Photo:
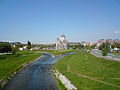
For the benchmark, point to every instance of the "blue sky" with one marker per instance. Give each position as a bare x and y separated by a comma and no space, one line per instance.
42,21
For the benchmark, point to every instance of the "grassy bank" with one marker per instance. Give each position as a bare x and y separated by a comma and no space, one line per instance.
60,85
116,54
57,52
88,72
11,63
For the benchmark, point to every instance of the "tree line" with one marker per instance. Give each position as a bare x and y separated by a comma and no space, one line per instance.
12,48
5,47
106,48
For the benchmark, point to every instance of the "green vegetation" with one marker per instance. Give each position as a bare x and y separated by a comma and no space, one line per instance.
104,51
105,47
88,72
29,45
78,46
11,63
60,85
116,54
5,47
57,52
89,47
117,45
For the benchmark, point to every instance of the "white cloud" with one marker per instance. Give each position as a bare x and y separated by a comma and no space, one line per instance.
116,32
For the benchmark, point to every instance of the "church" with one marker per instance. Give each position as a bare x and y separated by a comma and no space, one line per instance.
62,43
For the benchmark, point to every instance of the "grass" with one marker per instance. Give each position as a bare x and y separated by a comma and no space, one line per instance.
57,52
116,54
9,63
60,85
88,72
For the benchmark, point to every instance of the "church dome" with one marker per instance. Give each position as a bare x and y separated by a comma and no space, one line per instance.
62,35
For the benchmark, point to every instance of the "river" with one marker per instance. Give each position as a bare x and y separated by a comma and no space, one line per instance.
36,76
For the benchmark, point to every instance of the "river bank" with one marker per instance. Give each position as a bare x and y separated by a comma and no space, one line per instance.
11,64
86,71
37,75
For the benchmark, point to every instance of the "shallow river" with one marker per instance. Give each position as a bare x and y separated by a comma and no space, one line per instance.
36,76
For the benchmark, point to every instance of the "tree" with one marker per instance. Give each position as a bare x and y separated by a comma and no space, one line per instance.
106,46
117,45
28,45
113,46
5,47
104,51
14,49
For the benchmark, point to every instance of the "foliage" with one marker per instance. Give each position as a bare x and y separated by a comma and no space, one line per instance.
117,45
16,47
28,45
104,51
118,54
60,85
105,47
19,45
89,47
9,63
5,47
76,46
113,46
57,52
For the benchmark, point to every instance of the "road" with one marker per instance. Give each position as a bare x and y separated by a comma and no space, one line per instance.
36,76
98,54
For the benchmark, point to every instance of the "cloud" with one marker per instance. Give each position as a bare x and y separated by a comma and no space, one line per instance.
116,32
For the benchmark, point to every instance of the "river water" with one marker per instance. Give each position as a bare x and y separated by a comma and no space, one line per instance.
36,76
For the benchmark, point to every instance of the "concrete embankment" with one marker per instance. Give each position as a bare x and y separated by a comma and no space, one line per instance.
66,82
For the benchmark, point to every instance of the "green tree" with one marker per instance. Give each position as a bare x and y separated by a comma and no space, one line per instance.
79,46
117,45
14,49
5,47
112,46
106,46
104,51
28,45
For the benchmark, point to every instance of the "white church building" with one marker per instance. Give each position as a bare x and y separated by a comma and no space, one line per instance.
62,43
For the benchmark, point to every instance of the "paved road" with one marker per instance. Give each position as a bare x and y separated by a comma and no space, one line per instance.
98,54
5,53
36,76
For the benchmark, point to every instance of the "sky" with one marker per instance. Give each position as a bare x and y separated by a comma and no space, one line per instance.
43,21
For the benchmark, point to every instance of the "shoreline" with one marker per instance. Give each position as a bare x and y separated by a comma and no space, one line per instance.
10,75
64,80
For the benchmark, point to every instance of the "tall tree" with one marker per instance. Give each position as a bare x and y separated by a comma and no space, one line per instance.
28,45
104,51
